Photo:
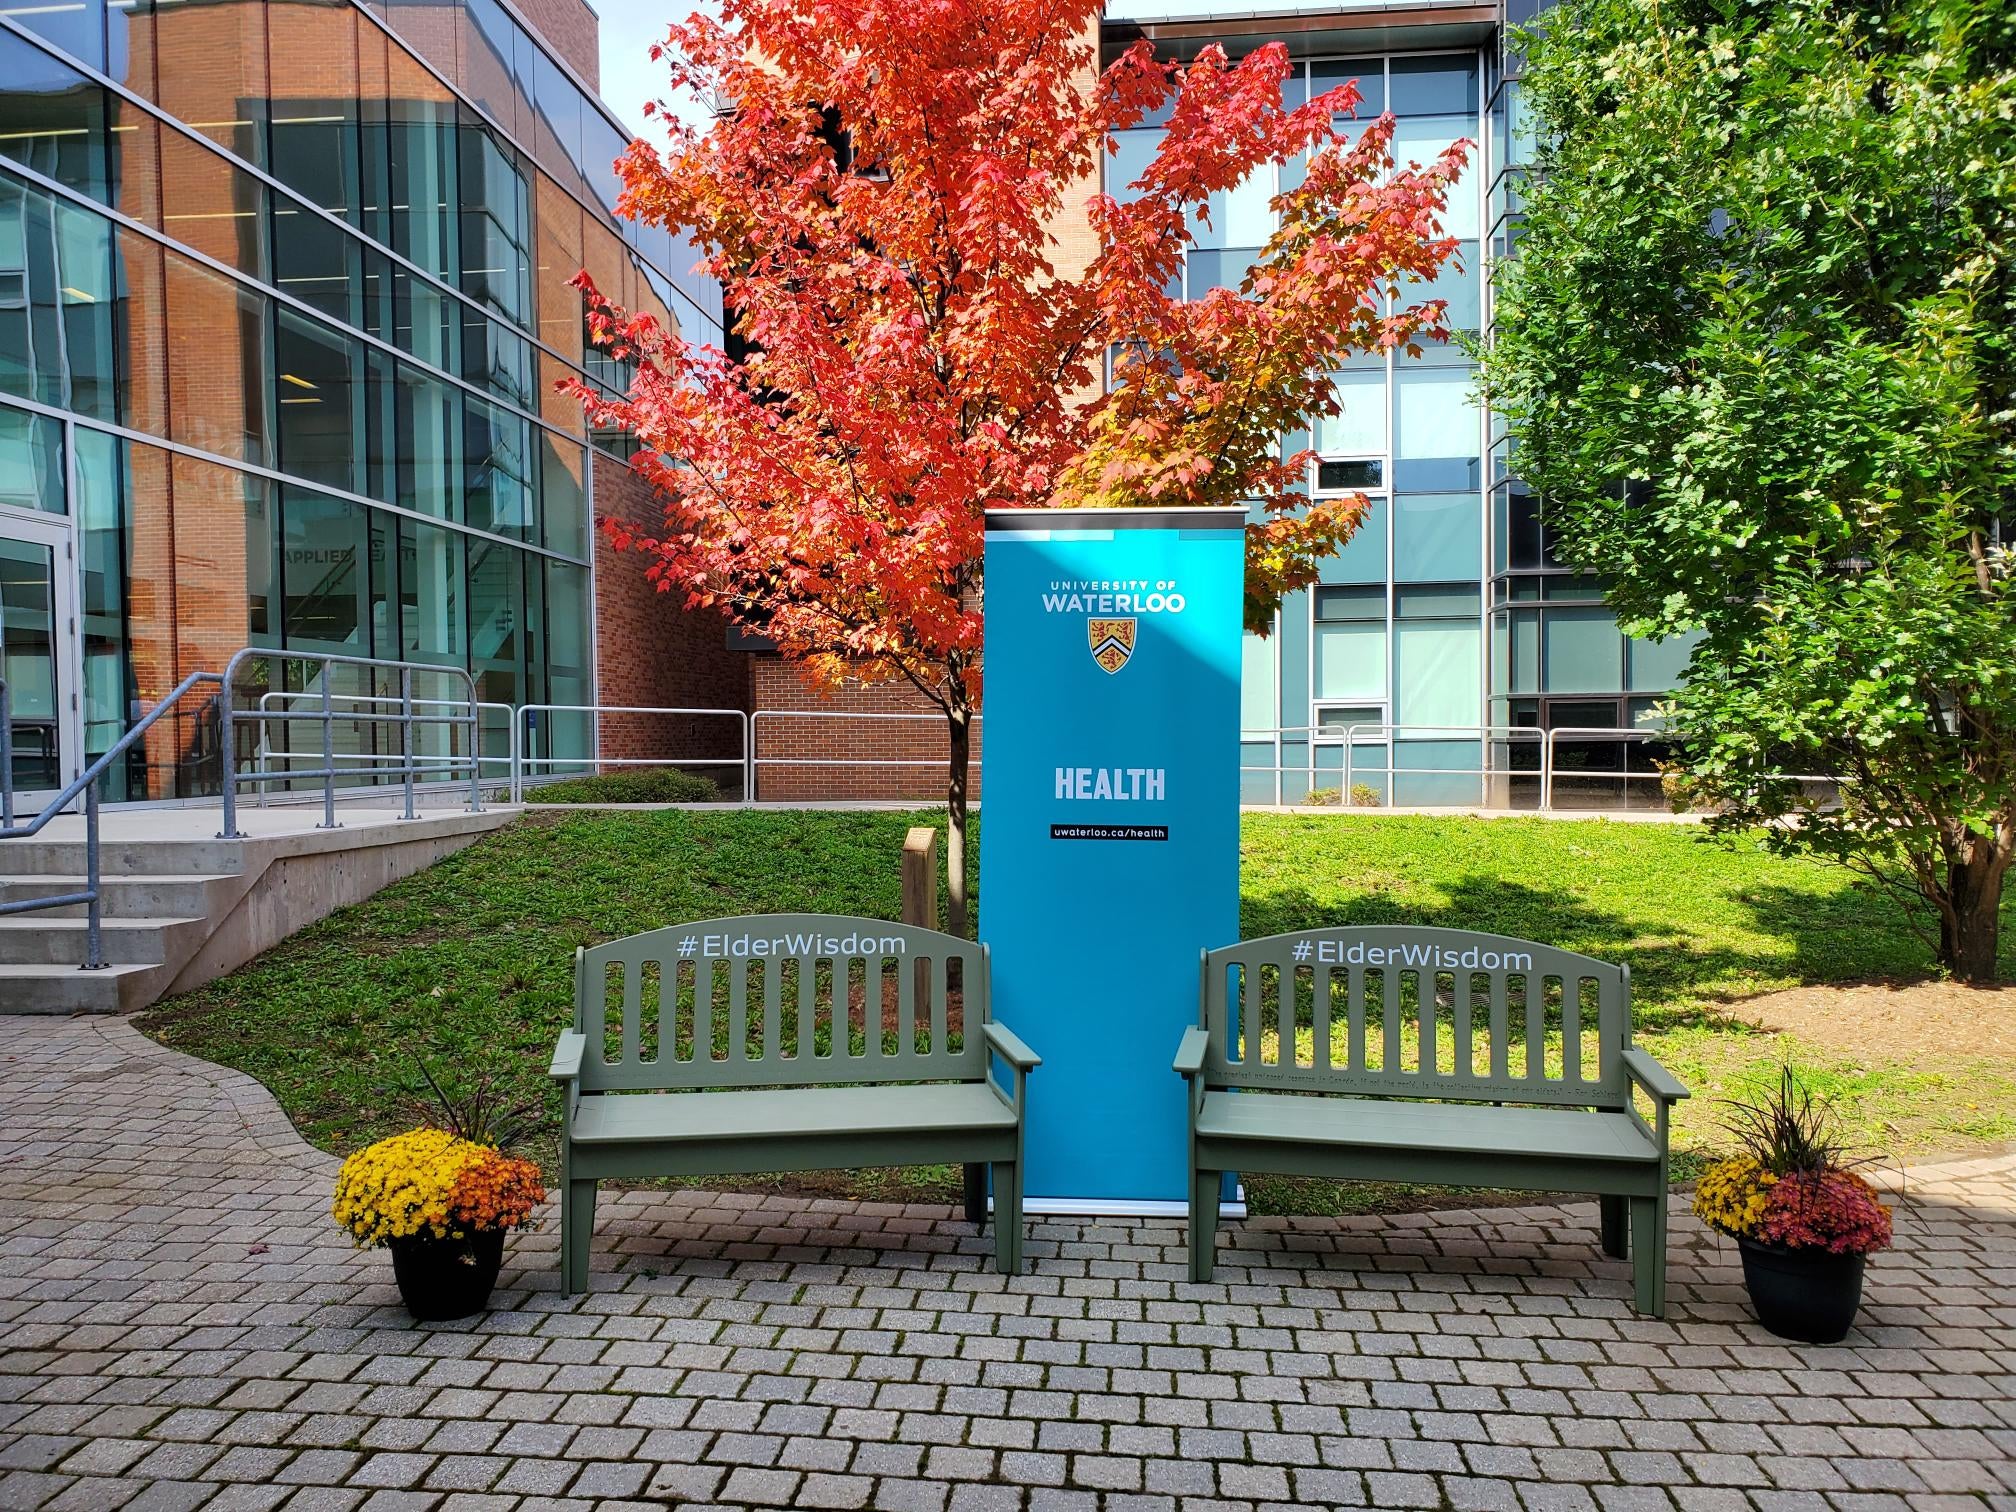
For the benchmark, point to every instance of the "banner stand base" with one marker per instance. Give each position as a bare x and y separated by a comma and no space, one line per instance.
1120,1207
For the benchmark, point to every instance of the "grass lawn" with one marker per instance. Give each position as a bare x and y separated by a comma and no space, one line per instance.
470,962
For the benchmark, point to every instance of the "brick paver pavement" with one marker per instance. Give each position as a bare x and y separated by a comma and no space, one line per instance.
181,1326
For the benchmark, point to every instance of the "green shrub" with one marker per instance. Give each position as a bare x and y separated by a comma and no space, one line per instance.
1324,797
641,785
1365,795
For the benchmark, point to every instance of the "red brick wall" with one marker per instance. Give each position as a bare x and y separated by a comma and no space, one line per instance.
651,651
834,741
572,30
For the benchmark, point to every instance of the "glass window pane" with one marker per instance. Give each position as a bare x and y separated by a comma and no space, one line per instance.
219,389
496,209
1363,559
1259,701
558,139
1351,660
428,416
1437,433
319,401
563,501
1583,653
496,588
52,119
1438,667
1132,152
1326,74
1361,428
211,206
76,26
101,561
1422,139
489,68
326,603
31,461
497,483
1437,537
313,112
1437,84
1659,666
567,659
225,97
430,593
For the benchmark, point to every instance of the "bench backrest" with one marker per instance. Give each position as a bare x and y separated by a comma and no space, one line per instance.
780,1000
1394,1011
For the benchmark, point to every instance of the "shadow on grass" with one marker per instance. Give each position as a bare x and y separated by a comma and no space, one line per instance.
1670,974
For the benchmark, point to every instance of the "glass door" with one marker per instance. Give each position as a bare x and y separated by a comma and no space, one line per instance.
38,656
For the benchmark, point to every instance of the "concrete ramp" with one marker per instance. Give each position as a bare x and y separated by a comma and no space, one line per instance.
182,907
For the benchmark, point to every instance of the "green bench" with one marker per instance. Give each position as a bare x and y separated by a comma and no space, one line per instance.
1421,1055
786,1042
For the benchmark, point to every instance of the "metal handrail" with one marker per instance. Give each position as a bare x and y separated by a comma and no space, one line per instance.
756,761
521,739
264,752
410,766
86,782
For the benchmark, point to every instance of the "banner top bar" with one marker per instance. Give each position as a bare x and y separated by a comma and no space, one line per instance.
1181,517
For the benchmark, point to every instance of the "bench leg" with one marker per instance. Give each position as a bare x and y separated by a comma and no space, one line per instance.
1203,1223
976,1194
1616,1231
1008,1217
1648,1243
577,1235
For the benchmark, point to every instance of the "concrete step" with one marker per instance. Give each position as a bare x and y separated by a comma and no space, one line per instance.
66,989
32,940
173,896
43,857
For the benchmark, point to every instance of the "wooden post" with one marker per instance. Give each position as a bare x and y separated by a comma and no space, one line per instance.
920,877
920,907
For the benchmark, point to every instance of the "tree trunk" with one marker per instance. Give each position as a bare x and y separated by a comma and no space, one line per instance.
960,746
1970,924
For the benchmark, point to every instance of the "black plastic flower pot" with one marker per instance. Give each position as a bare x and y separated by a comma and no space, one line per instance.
1804,1294
441,1279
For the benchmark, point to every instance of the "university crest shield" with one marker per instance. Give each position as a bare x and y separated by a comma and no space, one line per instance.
1112,642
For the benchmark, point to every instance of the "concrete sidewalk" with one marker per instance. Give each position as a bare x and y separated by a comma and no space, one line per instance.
182,1326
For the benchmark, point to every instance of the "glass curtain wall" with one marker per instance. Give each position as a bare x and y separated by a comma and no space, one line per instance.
335,291
1393,634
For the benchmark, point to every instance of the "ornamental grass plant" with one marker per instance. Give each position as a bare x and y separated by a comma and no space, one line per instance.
1792,1186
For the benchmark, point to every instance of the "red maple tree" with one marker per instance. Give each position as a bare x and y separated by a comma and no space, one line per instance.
878,199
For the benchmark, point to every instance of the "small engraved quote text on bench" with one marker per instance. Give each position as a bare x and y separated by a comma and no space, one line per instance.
1438,1056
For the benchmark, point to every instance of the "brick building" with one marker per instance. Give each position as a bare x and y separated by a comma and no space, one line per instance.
283,304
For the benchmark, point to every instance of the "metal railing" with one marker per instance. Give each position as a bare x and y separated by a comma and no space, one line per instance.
409,714
86,784
1297,752
757,760
265,753
522,762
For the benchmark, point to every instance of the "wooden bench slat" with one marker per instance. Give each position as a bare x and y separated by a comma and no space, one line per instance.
1392,1123
794,1112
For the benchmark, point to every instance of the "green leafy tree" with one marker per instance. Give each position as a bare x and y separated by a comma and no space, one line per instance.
1758,350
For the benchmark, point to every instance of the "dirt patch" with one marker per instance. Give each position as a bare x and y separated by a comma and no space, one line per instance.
1892,1022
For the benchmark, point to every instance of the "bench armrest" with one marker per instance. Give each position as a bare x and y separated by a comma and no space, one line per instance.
1653,1077
567,1056
1003,1042
1190,1053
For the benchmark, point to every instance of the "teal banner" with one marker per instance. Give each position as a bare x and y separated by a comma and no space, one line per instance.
1109,853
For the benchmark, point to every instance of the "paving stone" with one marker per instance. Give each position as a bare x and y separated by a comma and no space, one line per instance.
771,1351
